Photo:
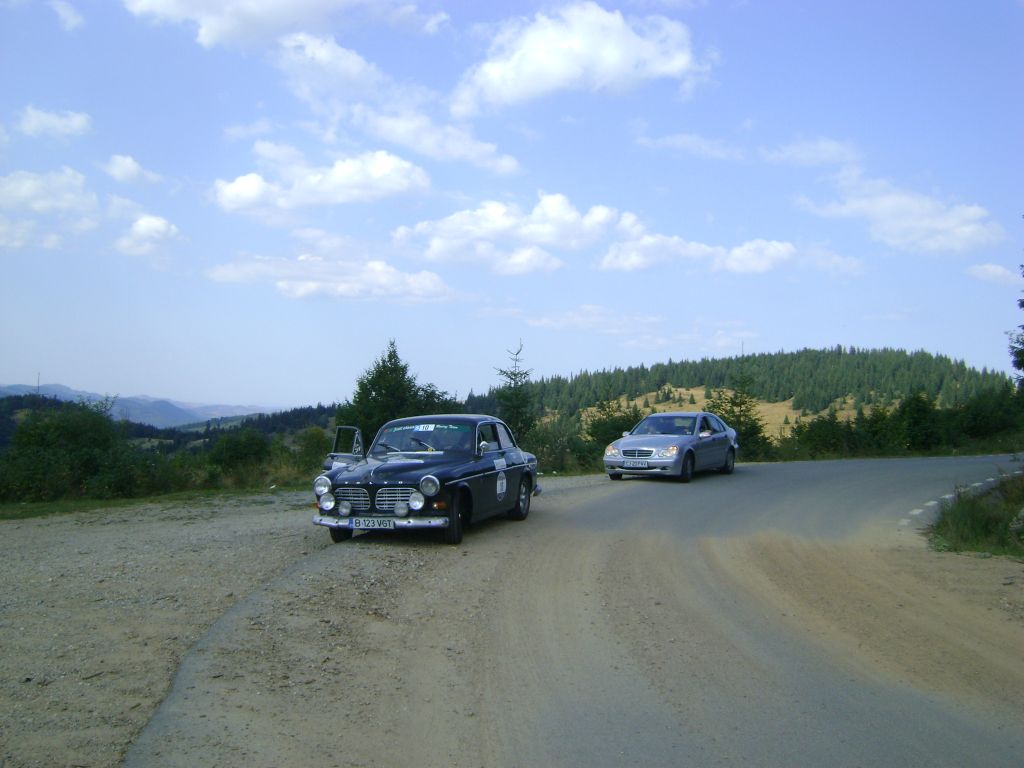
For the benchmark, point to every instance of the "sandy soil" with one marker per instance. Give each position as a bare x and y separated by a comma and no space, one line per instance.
243,603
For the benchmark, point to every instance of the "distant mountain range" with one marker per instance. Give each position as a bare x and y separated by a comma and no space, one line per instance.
142,409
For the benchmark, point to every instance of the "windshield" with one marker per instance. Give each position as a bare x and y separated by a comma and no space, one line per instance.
666,425
425,437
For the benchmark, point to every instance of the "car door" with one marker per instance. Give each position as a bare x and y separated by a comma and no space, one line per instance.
494,483
709,448
713,443
515,465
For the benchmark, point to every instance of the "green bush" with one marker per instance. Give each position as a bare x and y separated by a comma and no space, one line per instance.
982,522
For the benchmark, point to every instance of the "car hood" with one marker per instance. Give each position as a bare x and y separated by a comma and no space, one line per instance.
393,469
650,441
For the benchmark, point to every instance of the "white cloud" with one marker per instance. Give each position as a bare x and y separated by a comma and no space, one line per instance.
243,21
591,317
37,122
755,256
579,47
308,276
340,86
146,234
260,127
648,250
994,273
60,191
126,169
814,152
366,177
419,133
319,69
69,17
907,220
693,144
827,261
526,260
507,238
15,234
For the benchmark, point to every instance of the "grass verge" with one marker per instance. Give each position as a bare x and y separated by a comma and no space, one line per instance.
991,522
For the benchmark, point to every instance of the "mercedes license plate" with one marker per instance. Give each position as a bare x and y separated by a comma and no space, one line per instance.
373,523
634,464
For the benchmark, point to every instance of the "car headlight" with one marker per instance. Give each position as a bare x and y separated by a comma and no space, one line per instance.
611,450
326,502
416,501
670,452
322,485
429,485
345,508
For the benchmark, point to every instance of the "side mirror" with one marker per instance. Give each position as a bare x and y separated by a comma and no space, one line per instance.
625,434
482,448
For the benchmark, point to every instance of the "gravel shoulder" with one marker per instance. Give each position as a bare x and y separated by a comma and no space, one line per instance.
229,627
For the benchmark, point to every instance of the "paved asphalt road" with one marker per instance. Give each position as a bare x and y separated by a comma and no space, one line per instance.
747,691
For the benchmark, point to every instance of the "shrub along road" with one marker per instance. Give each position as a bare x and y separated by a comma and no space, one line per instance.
789,614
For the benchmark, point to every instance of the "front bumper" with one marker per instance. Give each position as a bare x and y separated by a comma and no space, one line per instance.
618,466
333,521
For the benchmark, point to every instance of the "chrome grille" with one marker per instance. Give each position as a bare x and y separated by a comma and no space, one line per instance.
357,497
387,498
638,453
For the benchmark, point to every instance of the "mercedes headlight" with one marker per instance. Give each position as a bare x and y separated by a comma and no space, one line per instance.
612,450
670,452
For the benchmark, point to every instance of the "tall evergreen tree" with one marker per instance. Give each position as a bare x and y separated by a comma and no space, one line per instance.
515,398
739,409
386,391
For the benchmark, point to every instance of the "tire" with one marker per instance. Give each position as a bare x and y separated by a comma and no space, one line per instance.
453,533
686,470
614,476
730,462
522,507
339,535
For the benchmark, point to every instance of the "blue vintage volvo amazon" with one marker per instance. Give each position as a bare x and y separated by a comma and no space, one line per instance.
439,472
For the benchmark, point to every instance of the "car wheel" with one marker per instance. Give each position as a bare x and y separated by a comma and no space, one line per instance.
522,507
453,533
614,476
730,462
686,470
339,535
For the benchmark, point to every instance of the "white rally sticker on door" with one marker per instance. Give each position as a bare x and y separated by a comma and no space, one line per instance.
500,463
502,485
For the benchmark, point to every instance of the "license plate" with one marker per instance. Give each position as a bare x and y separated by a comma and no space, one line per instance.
634,464
373,523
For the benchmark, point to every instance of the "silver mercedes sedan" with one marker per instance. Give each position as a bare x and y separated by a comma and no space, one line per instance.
675,444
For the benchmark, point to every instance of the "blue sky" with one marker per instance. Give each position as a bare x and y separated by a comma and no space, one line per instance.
242,202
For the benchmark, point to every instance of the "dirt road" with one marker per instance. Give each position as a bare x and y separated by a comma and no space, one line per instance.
232,633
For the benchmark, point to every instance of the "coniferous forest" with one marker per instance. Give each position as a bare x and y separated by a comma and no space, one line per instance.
893,403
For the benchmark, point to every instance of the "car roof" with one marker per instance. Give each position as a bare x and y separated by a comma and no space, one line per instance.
677,413
473,418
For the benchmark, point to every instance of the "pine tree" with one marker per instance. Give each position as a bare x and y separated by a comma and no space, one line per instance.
515,398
